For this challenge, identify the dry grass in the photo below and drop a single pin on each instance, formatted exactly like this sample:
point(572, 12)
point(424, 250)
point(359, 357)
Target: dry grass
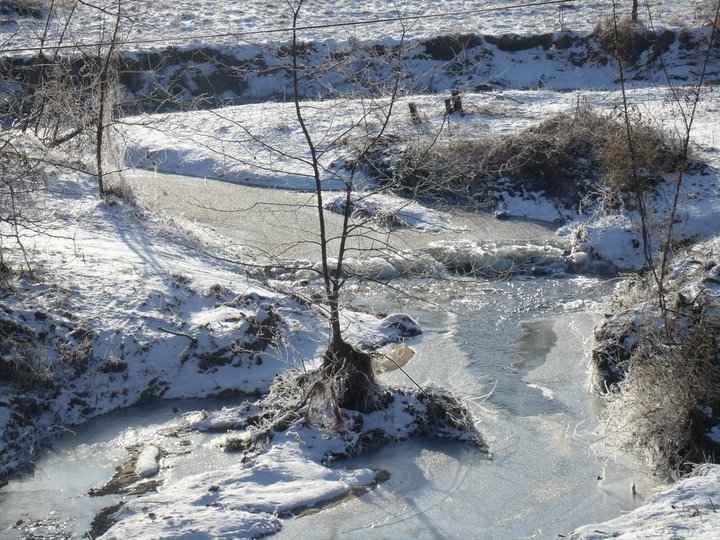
point(656, 410)
point(633, 38)
point(121, 189)
point(567, 156)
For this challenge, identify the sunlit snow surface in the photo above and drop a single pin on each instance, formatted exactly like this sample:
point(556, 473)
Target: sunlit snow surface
point(186, 18)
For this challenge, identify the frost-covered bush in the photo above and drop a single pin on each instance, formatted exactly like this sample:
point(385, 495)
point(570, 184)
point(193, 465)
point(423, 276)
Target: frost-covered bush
point(660, 409)
point(121, 189)
point(662, 373)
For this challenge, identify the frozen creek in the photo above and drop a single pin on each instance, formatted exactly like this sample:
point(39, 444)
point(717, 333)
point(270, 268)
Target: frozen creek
point(522, 343)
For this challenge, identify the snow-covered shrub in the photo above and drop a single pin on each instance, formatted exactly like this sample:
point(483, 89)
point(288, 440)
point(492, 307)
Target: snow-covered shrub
point(662, 375)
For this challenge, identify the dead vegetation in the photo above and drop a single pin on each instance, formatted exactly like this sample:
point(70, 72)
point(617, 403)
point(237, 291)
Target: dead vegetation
point(120, 189)
point(623, 37)
point(311, 400)
point(568, 156)
point(19, 362)
point(660, 408)
point(662, 378)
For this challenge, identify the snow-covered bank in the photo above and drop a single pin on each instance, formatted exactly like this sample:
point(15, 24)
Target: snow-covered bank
point(692, 287)
point(203, 75)
point(618, 237)
point(660, 372)
point(688, 509)
point(126, 307)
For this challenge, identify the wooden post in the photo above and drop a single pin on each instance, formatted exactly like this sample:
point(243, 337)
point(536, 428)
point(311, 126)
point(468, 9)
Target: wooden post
point(457, 106)
point(448, 106)
point(414, 116)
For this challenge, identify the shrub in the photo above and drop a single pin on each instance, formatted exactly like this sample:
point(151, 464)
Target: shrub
point(629, 42)
point(654, 151)
point(657, 410)
point(120, 189)
point(568, 156)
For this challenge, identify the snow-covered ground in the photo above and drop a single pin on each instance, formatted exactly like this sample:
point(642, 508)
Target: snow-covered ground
point(185, 19)
point(142, 310)
point(688, 509)
point(130, 306)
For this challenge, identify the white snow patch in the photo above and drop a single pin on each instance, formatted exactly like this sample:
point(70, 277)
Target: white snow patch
point(148, 461)
point(687, 510)
point(546, 392)
point(367, 331)
point(241, 501)
point(533, 206)
point(393, 211)
point(496, 259)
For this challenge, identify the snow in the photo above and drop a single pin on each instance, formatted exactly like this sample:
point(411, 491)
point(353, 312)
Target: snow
point(370, 332)
point(147, 312)
point(546, 392)
point(245, 496)
point(158, 301)
point(148, 461)
point(239, 501)
point(495, 259)
point(612, 237)
point(392, 211)
point(685, 510)
point(186, 18)
point(533, 206)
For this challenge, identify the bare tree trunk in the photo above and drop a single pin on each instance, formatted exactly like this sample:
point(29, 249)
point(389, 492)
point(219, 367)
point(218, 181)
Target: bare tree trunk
point(103, 105)
point(330, 287)
point(635, 11)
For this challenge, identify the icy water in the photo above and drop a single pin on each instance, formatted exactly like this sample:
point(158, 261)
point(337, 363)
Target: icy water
point(517, 350)
point(527, 340)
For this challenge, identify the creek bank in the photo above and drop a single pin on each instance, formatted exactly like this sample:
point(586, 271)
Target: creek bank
point(113, 323)
point(59, 372)
point(207, 76)
point(659, 370)
point(687, 509)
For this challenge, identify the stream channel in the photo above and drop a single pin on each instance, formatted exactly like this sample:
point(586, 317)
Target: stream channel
point(517, 349)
